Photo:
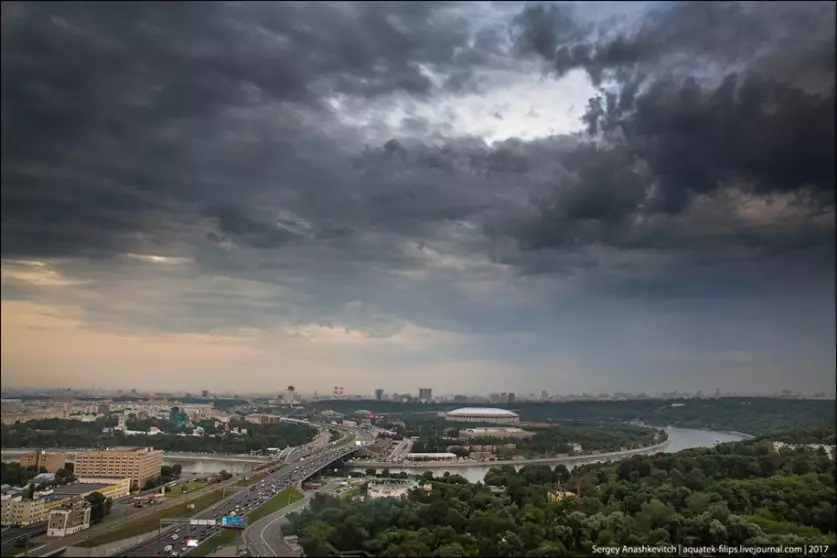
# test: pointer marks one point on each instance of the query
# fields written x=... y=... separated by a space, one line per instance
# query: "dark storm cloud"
x=663 y=137
x=203 y=131
x=120 y=101
x=258 y=233
x=679 y=140
x=786 y=40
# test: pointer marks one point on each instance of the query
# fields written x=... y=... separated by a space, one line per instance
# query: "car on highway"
x=240 y=503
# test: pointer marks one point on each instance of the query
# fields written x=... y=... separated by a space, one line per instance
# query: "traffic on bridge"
x=299 y=466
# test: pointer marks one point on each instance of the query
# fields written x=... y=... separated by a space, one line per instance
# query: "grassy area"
x=12 y=551
x=284 y=498
x=178 y=490
x=152 y=521
x=216 y=542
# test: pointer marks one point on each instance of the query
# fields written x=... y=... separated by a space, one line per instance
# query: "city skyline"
x=415 y=394
x=567 y=197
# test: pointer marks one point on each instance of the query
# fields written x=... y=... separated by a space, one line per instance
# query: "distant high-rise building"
x=717 y=393
x=494 y=398
x=291 y=395
x=379 y=394
x=504 y=397
x=511 y=397
x=425 y=394
x=38 y=459
x=544 y=396
x=338 y=391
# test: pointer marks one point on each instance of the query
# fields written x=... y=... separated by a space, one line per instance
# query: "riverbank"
x=743 y=435
x=679 y=439
x=605 y=456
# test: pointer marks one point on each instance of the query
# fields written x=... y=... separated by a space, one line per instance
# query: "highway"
x=264 y=537
x=300 y=466
x=100 y=529
x=13 y=534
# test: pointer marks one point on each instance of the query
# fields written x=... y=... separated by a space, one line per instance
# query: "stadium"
x=482 y=415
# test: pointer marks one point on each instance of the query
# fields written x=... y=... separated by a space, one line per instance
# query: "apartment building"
x=69 y=519
x=14 y=510
x=494 y=432
x=262 y=418
x=138 y=464
x=49 y=461
x=22 y=413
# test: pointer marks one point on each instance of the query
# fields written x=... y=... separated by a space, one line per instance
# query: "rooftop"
x=79 y=488
x=482 y=411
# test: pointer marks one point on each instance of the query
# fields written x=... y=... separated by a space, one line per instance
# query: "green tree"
x=99 y=506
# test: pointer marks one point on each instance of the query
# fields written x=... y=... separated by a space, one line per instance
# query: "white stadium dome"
x=483 y=414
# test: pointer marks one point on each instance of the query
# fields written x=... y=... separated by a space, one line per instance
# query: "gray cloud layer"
x=212 y=132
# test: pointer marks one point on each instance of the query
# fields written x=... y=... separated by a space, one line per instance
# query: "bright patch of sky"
x=526 y=105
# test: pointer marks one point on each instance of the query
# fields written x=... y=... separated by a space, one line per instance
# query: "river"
x=679 y=439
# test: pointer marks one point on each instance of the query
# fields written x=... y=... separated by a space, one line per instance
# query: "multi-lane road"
x=264 y=537
x=299 y=466
x=14 y=534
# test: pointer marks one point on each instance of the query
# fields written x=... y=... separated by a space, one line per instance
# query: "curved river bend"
x=678 y=439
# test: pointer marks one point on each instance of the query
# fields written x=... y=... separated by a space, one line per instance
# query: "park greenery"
x=58 y=433
x=743 y=493
x=751 y=415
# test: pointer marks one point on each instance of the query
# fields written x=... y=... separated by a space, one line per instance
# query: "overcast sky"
x=471 y=197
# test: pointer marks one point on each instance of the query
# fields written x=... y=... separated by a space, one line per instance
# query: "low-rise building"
x=263 y=418
x=431 y=456
x=14 y=510
x=389 y=490
x=25 y=413
x=498 y=432
x=41 y=459
x=43 y=478
x=113 y=488
x=69 y=519
x=558 y=495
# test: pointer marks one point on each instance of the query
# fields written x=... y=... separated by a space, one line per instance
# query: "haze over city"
x=473 y=197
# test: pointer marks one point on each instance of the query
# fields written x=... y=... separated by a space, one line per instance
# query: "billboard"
x=233 y=522
x=191 y=543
